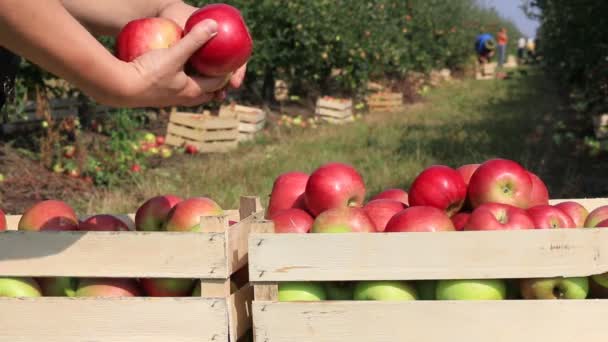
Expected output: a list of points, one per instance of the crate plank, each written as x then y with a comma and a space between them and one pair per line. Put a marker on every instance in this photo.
430, 321
245, 127
189, 120
110, 320
442, 255
78, 254
240, 312
339, 114
333, 104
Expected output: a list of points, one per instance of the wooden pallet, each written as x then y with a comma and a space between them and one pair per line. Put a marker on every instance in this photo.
251, 119
216, 256
208, 133
334, 110
515, 254
385, 102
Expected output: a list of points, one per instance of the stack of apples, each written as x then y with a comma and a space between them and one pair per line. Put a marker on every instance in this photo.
160, 213
498, 194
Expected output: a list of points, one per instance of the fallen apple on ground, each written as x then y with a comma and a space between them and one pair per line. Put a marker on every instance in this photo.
301, 292
334, 185
473, 289
555, 288
2, 221
385, 291
441, 187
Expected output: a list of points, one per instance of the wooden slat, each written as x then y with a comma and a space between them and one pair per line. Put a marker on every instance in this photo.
332, 104
340, 114
240, 312
113, 254
173, 140
185, 132
238, 242
428, 321
190, 120
245, 127
111, 320
442, 255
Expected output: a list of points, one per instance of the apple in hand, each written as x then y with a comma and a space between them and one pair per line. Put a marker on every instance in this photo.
441, 187
287, 192
394, 194
229, 49
2, 221
473, 289
49, 215
19, 287
301, 292
152, 214
167, 287
546, 217
420, 219
460, 220
466, 171
292, 221
103, 222
577, 212
107, 287
340, 290
145, 34
500, 181
555, 288
334, 185
596, 216
380, 211
58, 286
343, 220
186, 215
386, 290
497, 216
539, 194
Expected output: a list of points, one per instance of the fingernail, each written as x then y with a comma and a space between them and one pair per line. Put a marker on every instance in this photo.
210, 27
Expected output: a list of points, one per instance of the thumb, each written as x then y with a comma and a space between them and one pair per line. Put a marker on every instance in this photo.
193, 40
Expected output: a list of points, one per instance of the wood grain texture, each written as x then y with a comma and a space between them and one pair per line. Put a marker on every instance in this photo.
113, 254
444, 255
111, 320
505, 321
239, 312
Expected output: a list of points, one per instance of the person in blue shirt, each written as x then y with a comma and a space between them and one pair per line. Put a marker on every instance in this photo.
485, 47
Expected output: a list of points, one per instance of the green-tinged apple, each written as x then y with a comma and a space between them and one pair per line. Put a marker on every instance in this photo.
385, 290
596, 216
107, 287
500, 181
471, 289
186, 215
302, 292
545, 216
152, 214
577, 212
426, 289
555, 288
143, 35
49, 215
19, 287
167, 287
340, 290
58, 286
343, 220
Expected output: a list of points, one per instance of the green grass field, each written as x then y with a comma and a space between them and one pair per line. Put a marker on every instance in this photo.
463, 122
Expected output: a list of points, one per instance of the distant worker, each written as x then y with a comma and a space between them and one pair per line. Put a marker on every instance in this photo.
521, 50
502, 39
531, 47
485, 46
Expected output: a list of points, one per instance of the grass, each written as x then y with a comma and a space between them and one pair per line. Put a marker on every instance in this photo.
464, 122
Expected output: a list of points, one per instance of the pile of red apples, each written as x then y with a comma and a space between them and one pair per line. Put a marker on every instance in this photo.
498, 194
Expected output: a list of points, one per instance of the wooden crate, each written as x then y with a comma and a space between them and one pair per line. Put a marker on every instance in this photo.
208, 133
275, 258
215, 256
335, 110
385, 102
251, 120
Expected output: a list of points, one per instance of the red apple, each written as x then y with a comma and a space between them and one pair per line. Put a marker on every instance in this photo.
500, 181
577, 212
441, 187
394, 194
151, 215
466, 171
2, 221
160, 140
107, 287
499, 216
135, 168
603, 224
596, 216
287, 192
292, 221
420, 219
460, 220
49, 215
191, 149
143, 35
229, 49
167, 287
334, 185
186, 215
103, 223
380, 211
540, 194
343, 220
546, 216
